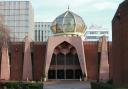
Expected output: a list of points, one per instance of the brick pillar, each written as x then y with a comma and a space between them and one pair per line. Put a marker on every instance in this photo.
104, 65
5, 65
27, 64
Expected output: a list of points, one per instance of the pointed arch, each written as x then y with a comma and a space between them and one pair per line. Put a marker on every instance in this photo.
76, 42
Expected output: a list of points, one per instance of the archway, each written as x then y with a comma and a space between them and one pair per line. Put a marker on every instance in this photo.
65, 63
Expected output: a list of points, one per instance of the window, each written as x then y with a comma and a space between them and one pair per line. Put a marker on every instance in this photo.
53, 61
76, 60
42, 35
92, 37
104, 32
69, 59
35, 35
39, 35
93, 32
60, 59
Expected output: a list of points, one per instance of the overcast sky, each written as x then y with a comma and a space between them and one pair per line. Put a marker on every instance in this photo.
99, 12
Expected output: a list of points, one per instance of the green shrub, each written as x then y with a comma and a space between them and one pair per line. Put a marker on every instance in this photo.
110, 81
23, 85
95, 85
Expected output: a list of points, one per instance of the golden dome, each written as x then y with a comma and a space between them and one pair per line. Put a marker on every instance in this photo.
68, 24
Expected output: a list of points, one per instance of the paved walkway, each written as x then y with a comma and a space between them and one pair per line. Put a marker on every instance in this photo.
66, 85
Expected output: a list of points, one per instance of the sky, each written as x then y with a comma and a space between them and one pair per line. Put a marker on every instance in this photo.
98, 12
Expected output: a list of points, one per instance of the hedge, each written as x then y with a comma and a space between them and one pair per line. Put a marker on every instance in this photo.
95, 85
22, 85
100, 85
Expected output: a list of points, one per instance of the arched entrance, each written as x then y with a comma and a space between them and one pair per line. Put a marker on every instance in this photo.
65, 63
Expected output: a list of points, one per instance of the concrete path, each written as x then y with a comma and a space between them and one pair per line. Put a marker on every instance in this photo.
66, 85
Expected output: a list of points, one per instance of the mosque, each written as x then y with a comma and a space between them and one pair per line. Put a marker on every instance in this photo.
65, 56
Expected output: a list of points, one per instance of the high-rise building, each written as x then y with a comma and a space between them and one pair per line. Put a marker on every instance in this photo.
18, 17
94, 32
42, 31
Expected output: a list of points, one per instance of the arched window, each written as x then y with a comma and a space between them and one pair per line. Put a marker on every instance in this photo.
76, 60
60, 59
53, 61
69, 59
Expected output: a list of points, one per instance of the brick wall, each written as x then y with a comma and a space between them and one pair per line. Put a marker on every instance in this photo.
38, 60
16, 61
91, 56
38, 51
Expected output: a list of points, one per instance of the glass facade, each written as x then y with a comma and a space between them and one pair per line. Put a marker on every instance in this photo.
18, 17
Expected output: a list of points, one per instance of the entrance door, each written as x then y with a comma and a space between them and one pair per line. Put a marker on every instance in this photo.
52, 74
60, 74
69, 74
78, 74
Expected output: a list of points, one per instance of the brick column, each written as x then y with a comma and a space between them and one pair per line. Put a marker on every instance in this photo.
104, 65
27, 64
5, 65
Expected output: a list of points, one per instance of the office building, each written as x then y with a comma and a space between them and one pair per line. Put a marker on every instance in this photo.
94, 32
18, 17
42, 31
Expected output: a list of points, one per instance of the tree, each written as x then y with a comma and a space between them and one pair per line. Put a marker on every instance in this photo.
4, 33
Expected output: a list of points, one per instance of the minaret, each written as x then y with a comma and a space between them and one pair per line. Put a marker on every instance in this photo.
27, 64
5, 65
104, 65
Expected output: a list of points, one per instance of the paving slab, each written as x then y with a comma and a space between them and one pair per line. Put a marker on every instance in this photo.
67, 85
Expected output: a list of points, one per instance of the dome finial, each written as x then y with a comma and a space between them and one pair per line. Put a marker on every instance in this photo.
68, 7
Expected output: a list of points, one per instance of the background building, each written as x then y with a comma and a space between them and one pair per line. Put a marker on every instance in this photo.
18, 17
42, 31
94, 32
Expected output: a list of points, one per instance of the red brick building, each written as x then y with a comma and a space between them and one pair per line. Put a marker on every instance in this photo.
38, 52
120, 44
